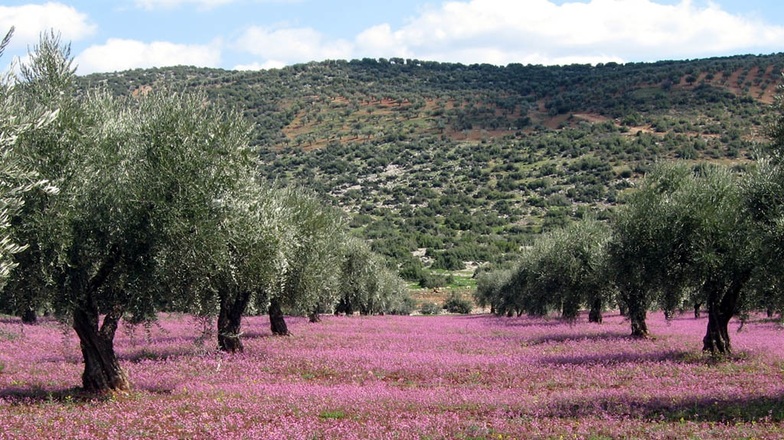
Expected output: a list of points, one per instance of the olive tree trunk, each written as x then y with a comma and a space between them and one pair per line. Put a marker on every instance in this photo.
277, 321
637, 312
29, 316
230, 321
102, 371
595, 314
721, 308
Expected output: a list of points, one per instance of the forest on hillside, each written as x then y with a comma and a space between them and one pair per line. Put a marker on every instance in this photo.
443, 164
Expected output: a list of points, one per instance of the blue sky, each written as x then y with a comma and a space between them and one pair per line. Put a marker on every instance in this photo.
254, 34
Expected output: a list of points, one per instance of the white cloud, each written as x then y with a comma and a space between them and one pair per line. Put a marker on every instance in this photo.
170, 4
119, 54
292, 45
200, 4
271, 64
500, 32
33, 19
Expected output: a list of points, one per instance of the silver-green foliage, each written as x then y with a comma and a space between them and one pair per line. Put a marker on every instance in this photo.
141, 182
308, 263
563, 269
16, 180
367, 285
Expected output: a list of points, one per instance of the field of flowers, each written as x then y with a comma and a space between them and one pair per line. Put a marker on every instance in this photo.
391, 377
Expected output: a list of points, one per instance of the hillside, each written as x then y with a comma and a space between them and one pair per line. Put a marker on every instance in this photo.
447, 163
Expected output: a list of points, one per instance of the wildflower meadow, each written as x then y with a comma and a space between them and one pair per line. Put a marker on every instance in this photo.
400, 377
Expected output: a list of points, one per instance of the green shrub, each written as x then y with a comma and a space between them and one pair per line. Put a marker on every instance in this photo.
404, 305
432, 280
455, 303
412, 270
430, 308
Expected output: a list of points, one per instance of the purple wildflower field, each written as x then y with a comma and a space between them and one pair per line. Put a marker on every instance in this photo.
391, 377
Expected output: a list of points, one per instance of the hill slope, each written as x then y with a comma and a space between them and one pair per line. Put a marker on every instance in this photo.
459, 163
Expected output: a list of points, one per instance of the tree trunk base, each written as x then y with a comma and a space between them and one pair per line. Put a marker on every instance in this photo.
102, 371
595, 314
277, 322
29, 317
717, 339
232, 307
230, 342
639, 328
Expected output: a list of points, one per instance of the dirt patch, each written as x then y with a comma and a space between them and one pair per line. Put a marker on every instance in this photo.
591, 117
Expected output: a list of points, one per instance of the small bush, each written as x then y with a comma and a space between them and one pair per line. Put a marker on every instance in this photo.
433, 280
412, 270
455, 303
402, 306
430, 308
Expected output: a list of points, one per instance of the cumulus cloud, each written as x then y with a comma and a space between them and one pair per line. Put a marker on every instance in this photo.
170, 4
33, 19
200, 4
291, 45
499, 32
120, 54
270, 64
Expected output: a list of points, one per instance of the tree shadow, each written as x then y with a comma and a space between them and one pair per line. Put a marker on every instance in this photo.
766, 408
679, 356
597, 337
145, 354
37, 395
257, 334
525, 322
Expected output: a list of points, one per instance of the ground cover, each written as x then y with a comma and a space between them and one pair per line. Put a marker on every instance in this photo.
423, 377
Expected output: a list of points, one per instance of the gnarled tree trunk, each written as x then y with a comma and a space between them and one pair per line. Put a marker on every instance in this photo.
595, 314
102, 371
717, 337
637, 312
230, 321
277, 321
721, 309
623, 309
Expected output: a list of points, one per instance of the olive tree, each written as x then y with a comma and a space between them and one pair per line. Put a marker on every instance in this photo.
18, 181
647, 251
763, 194
685, 230
722, 251
137, 178
570, 270
309, 261
251, 242
367, 285
489, 287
